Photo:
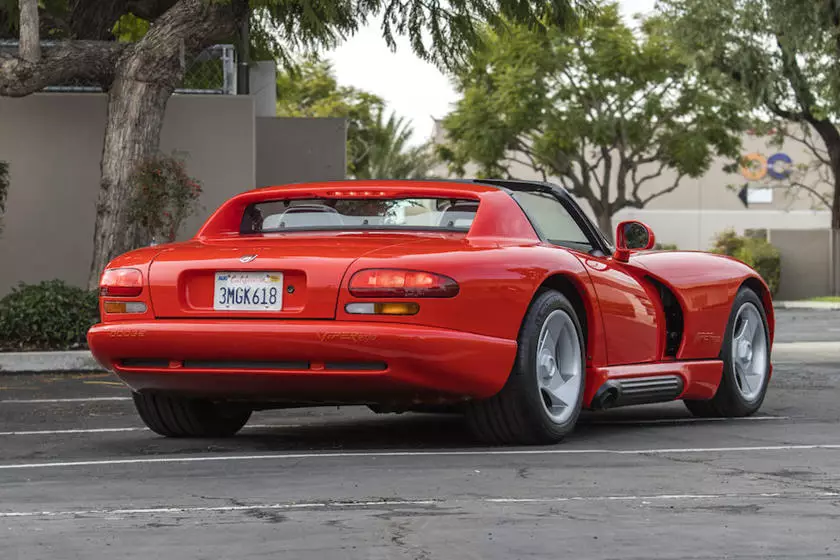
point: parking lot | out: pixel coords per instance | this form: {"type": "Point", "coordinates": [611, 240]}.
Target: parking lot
{"type": "Point", "coordinates": [81, 478]}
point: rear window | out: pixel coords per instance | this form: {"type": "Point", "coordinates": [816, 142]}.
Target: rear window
{"type": "Point", "coordinates": [359, 214]}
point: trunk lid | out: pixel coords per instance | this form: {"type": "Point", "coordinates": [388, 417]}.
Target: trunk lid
{"type": "Point", "coordinates": [187, 280]}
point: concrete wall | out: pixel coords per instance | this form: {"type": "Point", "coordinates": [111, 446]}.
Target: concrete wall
{"type": "Point", "coordinates": [53, 143]}
{"type": "Point", "coordinates": [294, 150]}
{"type": "Point", "coordinates": [806, 262]}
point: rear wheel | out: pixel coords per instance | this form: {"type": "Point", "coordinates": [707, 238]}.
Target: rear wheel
{"type": "Point", "coordinates": [745, 353]}
{"type": "Point", "coordinates": [541, 401]}
{"type": "Point", "coordinates": [181, 417]}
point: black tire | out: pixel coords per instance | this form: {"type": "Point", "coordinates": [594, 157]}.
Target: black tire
{"type": "Point", "coordinates": [728, 401]}
{"type": "Point", "coordinates": [189, 418]}
{"type": "Point", "coordinates": [516, 414]}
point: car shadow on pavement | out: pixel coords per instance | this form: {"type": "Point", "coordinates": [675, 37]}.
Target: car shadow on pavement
{"type": "Point", "coordinates": [410, 431]}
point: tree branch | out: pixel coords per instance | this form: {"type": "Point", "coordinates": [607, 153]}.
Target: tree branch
{"type": "Point", "coordinates": [85, 60]}
{"type": "Point", "coordinates": [30, 39]}
{"type": "Point", "coordinates": [821, 155]}
{"type": "Point", "coordinates": [811, 190]}
{"type": "Point", "coordinates": [644, 202]}
{"type": "Point", "coordinates": [638, 182]}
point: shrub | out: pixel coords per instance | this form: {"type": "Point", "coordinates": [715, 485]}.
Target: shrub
{"type": "Point", "coordinates": [47, 316]}
{"type": "Point", "coordinates": [164, 197]}
{"type": "Point", "coordinates": [665, 247]}
{"type": "Point", "coordinates": [752, 251]}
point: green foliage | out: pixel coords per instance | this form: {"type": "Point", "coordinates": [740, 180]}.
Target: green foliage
{"type": "Point", "coordinates": [164, 196]}
{"type": "Point", "coordinates": [596, 106]}
{"type": "Point", "coordinates": [755, 252]}
{"type": "Point", "coordinates": [665, 247]}
{"type": "Point", "coordinates": [4, 190]}
{"type": "Point", "coordinates": [440, 33]}
{"type": "Point", "coordinates": [390, 157]}
{"type": "Point", "coordinates": [782, 58]}
{"type": "Point", "coordinates": [46, 316]}
{"type": "Point", "coordinates": [376, 148]}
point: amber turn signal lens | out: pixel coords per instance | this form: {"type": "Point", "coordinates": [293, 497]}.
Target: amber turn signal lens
{"type": "Point", "coordinates": [396, 308]}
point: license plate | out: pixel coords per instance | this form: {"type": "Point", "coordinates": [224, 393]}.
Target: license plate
{"type": "Point", "coordinates": [248, 291]}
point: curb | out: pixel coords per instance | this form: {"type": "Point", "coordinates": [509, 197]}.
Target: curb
{"type": "Point", "coordinates": [80, 361]}
{"type": "Point", "coordinates": [823, 305]}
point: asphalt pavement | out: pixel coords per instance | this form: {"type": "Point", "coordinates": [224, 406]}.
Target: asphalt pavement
{"type": "Point", "coordinates": [81, 478]}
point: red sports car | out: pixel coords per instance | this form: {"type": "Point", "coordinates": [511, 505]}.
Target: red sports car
{"type": "Point", "coordinates": [494, 298]}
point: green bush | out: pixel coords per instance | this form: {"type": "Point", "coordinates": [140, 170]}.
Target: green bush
{"type": "Point", "coordinates": [46, 316]}
{"type": "Point", "coordinates": [752, 251]}
{"type": "Point", "coordinates": [665, 247]}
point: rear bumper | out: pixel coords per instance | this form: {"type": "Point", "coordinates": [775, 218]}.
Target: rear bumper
{"type": "Point", "coordinates": [302, 361]}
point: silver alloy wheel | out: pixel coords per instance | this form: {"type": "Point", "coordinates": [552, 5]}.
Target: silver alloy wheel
{"type": "Point", "coordinates": [559, 372]}
{"type": "Point", "coordinates": [750, 354]}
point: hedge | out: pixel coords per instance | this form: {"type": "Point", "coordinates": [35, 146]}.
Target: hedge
{"type": "Point", "coordinates": [47, 316]}
{"type": "Point", "coordinates": [752, 251]}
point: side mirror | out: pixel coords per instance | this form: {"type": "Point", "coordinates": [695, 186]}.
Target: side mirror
{"type": "Point", "coordinates": [632, 236]}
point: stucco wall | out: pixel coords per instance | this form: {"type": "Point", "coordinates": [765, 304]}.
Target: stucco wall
{"type": "Point", "coordinates": [53, 143]}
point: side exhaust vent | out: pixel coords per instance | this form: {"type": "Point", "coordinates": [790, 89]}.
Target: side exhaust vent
{"type": "Point", "coordinates": [643, 390]}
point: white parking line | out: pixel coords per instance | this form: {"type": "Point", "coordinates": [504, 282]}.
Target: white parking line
{"type": "Point", "coordinates": [385, 454]}
{"type": "Point", "coordinates": [180, 510]}
{"type": "Point", "coordinates": [79, 431]}
{"type": "Point", "coordinates": [52, 401]}
{"type": "Point", "coordinates": [682, 420]}
{"type": "Point", "coordinates": [133, 429]}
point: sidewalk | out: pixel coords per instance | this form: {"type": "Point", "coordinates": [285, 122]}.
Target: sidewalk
{"type": "Point", "coordinates": [78, 361]}
{"type": "Point", "coordinates": [821, 305]}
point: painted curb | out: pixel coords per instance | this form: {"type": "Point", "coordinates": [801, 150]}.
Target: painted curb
{"type": "Point", "coordinates": [80, 361]}
{"type": "Point", "coordinates": [822, 305]}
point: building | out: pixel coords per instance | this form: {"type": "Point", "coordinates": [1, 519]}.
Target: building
{"type": "Point", "coordinates": [698, 209]}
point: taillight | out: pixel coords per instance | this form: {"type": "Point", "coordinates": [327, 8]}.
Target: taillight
{"type": "Point", "coordinates": [392, 283]}
{"type": "Point", "coordinates": [121, 282]}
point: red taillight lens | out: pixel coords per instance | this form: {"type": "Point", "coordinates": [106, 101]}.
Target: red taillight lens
{"type": "Point", "coordinates": [121, 282]}
{"type": "Point", "coordinates": [385, 282]}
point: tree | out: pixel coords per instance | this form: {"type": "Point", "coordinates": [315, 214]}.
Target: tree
{"type": "Point", "coordinates": [310, 89]}
{"type": "Point", "coordinates": [141, 76]}
{"type": "Point", "coordinates": [603, 109]}
{"type": "Point", "coordinates": [390, 156]}
{"type": "Point", "coordinates": [376, 148]}
{"type": "Point", "coordinates": [784, 56]}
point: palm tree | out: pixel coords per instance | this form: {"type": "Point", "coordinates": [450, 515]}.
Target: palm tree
{"type": "Point", "coordinates": [389, 154]}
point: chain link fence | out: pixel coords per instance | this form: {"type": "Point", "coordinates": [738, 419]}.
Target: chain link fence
{"type": "Point", "coordinates": [213, 71]}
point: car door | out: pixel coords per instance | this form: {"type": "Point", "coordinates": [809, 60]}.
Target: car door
{"type": "Point", "coordinates": [628, 311]}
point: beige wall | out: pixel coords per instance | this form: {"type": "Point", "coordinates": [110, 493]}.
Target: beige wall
{"type": "Point", "coordinates": [53, 143]}
{"type": "Point", "coordinates": [806, 263]}
{"type": "Point", "coordinates": [318, 145]}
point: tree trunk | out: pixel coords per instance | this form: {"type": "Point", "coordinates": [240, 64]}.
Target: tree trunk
{"type": "Point", "coordinates": [30, 40]}
{"type": "Point", "coordinates": [831, 138]}
{"type": "Point", "coordinates": [132, 134]}
{"type": "Point", "coordinates": [605, 224]}
{"type": "Point", "coordinates": [147, 73]}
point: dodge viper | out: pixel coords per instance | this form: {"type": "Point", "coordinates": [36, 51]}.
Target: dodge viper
{"type": "Point", "coordinates": [496, 299]}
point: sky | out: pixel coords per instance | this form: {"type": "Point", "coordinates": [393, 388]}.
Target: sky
{"type": "Point", "coordinates": [411, 87]}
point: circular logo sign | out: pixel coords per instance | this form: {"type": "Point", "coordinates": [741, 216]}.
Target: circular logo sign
{"type": "Point", "coordinates": [756, 167]}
